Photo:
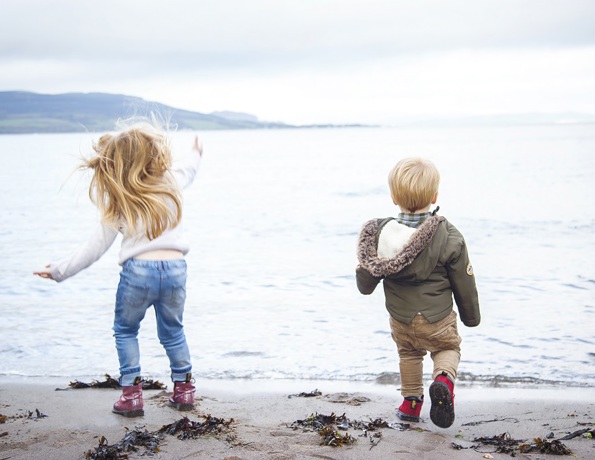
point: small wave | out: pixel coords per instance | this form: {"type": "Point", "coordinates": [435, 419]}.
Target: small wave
{"type": "Point", "coordinates": [533, 288]}
{"type": "Point", "coordinates": [574, 286]}
{"type": "Point", "coordinates": [381, 332]}
{"type": "Point", "coordinates": [551, 358]}
{"type": "Point", "coordinates": [499, 380]}
{"type": "Point", "coordinates": [242, 354]}
{"type": "Point", "coordinates": [514, 345]}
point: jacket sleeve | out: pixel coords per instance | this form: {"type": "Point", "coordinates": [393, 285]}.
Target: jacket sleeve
{"type": "Point", "coordinates": [366, 282]}
{"type": "Point", "coordinates": [462, 280]}
{"type": "Point", "coordinates": [99, 242]}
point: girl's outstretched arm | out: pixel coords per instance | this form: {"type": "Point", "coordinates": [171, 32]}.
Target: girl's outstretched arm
{"type": "Point", "coordinates": [185, 169]}
{"type": "Point", "coordinates": [99, 242]}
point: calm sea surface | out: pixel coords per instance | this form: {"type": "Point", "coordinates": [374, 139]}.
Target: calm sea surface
{"type": "Point", "coordinates": [273, 218]}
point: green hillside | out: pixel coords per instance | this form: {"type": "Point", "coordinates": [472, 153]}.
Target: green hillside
{"type": "Point", "coordinates": [25, 112]}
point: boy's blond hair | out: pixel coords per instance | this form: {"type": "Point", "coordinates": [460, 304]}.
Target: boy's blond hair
{"type": "Point", "coordinates": [132, 182]}
{"type": "Point", "coordinates": [414, 183]}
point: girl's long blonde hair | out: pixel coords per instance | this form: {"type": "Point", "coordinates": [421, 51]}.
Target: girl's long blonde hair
{"type": "Point", "coordinates": [132, 181]}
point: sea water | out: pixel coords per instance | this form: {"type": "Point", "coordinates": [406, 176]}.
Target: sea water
{"type": "Point", "coordinates": [273, 219]}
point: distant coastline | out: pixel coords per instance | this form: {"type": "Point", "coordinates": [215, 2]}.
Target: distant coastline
{"type": "Point", "coordinates": [23, 112]}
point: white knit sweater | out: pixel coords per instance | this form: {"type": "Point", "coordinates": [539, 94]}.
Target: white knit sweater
{"type": "Point", "coordinates": [103, 237]}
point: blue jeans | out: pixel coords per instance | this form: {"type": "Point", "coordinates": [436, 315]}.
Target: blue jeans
{"type": "Point", "coordinates": [146, 283]}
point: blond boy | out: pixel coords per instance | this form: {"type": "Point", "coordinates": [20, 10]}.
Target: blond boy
{"type": "Point", "coordinates": [423, 262]}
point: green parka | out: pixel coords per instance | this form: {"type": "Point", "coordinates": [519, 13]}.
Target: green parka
{"type": "Point", "coordinates": [423, 272]}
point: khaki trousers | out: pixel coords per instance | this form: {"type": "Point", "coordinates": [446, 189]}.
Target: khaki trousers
{"type": "Point", "coordinates": [414, 340]}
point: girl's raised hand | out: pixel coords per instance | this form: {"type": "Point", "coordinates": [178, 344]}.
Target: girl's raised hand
{"type": "Point", "coordinates": [44, 273]}
{"type": "Point", "coordinates": [197, 145]}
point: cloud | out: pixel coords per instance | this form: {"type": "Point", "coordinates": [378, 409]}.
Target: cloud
{"type": "Point", "coordinates": [347, 60]}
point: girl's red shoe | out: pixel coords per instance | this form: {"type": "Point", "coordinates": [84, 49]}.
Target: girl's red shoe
{"type": "Point", "coordinates": [183, 396]}
{"type": "Point", "coordinates": [130, 403]}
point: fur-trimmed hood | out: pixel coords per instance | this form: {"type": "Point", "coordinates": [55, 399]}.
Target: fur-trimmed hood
{"type": "Point", "coordinates": [388, 248]}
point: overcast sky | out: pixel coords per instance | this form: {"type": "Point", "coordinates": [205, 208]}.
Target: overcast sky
{"type": "Point", "coordinates": [309, 61]}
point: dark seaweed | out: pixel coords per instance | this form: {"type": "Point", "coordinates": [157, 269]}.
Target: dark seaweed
{"type": "Point", "coordinates": [37, 415]}
{"type": "Point", "coordinates": [480, 422]}
{"type": "Point", "coordinates": [574, 434]}
{"type": "Point", "coordinates": [503, 442]}
{"type": "Point", "coordinates": [111, 382]}
{"type": "Point", "coordinates": [555, 447]}
{"type": "Point", "coordinates": [29, 415]}
{"type": "Point", "coordinates": [133, 440]}
{"type": "Point", "coordinates": [187, 429]}
{"type": "Point", "coordinates": [311, 394]}
{"type": "Point", "coordinates": [149, 384]}
{"type": "Point", "coordinates": [331, 437]}
{"type": "Point", "coordinates": [506, 445]}
{"type": "Point", "coordinates": [327, 426]}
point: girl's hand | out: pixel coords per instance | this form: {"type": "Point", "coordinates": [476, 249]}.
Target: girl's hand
{"type": "Point", "coordinates": [197, 146]}
{"type": "Point", "coordinates": [44, 273]}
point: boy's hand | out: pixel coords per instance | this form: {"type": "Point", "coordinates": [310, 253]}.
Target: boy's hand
{"type": "Point", "coordinates": [197, 146]}
{"type": "Point", "coordinates": [44, 273]}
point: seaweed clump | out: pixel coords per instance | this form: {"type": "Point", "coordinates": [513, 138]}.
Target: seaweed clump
{"type": "Point", "coordinates": [504, 443]}
{"type": "Point", "coordinates": [26, 415]}
{"type": "Point", "coordinates": [327, 427]}
{"type": "Point", "coordinates": [133, 440]}
{"type": "Point", "coordinates": [555, 447]}
{"type": "Point", "coordinates": [303, 394]}
{"type": "Point", "coordinates": [136, 439]}
{"type": "Point", "coordinates": [187, 429]}
{"type": "Point", "coordinates": [111, 382]}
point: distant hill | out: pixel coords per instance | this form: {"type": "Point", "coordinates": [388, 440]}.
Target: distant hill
{"type": "Point", "coordinates": [26, 112]}
{"type": "Point", "coordinates": [235, 116]}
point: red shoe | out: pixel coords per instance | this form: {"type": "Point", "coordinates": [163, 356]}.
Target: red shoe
{"type": "Point", "coordinates": [442, 412]}
{"type": "Point", "coordinates": [130, 403]}
{"type": "Point", "coordinates": [410, 408]}
{"type": "Point", "coordinates": [183, 396]}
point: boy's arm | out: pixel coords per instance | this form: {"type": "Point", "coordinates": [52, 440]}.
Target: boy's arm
{"type": "Point", "coordinates": [366, 282]}
{"type": "Point", "coordinates": [462, 280]}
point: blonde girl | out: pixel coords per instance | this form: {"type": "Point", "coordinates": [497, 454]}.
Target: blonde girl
{"type": "Point", "coordinates": [138, 193]}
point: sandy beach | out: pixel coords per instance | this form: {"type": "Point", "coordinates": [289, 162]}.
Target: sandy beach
{"type": "Point", "coordinates": [42, 423]}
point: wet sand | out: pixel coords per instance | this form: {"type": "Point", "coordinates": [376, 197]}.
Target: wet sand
{"type": "Point", "coordinates": [263, 412]}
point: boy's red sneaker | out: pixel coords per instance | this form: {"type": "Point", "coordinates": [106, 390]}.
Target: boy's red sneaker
{"type": "Point", "coordinates": [183, 396]}
{"type": "Point", "coordinates": [442, 394]}
{"type": "Point", "coordinates": [410, 409]}
{"type": "Point", "coordinates": [130, 403]}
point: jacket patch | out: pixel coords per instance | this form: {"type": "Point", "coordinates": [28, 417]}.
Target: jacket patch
{"type": "Point", "coordinates": [469, 269]}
